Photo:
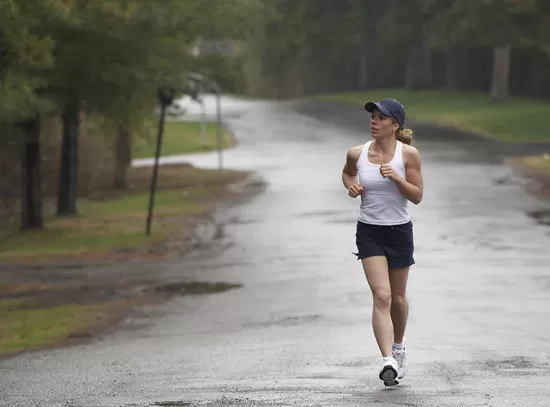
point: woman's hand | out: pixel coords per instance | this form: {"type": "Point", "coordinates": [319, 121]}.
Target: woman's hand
{"type": "Point", "coordinates": [355, 190]}
{"type": "Point", "coordinates": [387, 171]}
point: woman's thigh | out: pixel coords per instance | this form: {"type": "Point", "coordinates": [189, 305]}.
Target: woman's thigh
{"type": "Point", "coordinates": [376, 272]}
{"type": "Point", "coordinates": [398, 281]}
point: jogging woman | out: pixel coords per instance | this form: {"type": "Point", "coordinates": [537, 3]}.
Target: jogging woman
{"type": "Point", "coordinates": [386, 173]}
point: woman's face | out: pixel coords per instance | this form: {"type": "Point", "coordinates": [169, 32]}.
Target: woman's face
{"type": "Point", "coordinates": [382, 126]}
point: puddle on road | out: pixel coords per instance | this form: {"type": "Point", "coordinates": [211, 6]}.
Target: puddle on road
{"type": "Point", "coordinates": [240, 221]}
{"type": "Point", "coordinates": [219, 232]}
{"type": "Point", "coordinates": [170, 404]}
{"type": "Point", "coordinates": [351, 363]}
{"type": "Point", "coordinates": [542, 217]}
{"type": "Point", "coordinates": [286, 321]}
{"type": "Point", "coordinates": [194, 288]}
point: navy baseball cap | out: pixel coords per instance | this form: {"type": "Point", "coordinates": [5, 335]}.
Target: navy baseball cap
{"type": "Point", "coordinates": [388, 107]}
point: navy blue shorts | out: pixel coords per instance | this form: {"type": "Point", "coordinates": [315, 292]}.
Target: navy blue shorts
{"type": "Point", "coordinates": [396, 243]}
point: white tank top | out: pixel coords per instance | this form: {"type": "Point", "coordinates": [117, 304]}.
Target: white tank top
{"type": "Point", "coordinates": [381, 202]}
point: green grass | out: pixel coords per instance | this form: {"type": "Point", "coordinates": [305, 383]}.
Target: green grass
{"type": "Point", "coordinates": [515, 120]}
{"type": "Point", "coordinates": [22, 329]}
{"type": "Point", "coordinates": [105, 225]}
{"type": "Point", "coordinates": [181, 137]}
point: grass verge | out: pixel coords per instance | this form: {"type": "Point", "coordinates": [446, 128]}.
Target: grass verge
{"type": "Point", "coordinates": [71, 311]}
{"type": "Point", "coordinates": [515, 120]}
{"type": "Point", "coordinates": [110, 223]}
{"type": "Point", "coordinates": [541, 162]}
{"type": "Point", "coordinates": [537, 168]}
{"type": "Point", "coordinates": [183, 137]}
{"type": "Point", "coordinates": [26, 328]}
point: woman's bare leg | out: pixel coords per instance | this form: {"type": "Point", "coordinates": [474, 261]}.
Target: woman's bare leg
{"type": "Point", "coordinates": [399, 304]}
{"type": "Point", "coordinates": [376, 271]}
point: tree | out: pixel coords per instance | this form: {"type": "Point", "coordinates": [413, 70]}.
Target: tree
{"type": "Point", "coordinates": [367, 30]}
{"type": "Point", "coordinates": [155, 44]}
{"type": "Point", "coordinates": [31, 199]}
{"type": "Point", "coordinates": [409, 33]}
{"type": "Point", "coordinates": [294, 47]}
{"type": "Point", "coordinates": [85, 61]}
{"type": "Point", "coordinates": [24, 52]}
{"type": "Point", "coordinates": [119, 54]}
{"type": "Point", "coordinates": [500, 24]}
{"type": "Point", "coordinates": [106, 57]}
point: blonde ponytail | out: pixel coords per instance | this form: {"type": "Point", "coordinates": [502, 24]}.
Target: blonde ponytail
{"type": "Point", "coordinates": [405, 135]}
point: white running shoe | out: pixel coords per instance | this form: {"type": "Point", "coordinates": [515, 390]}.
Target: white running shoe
{"type": "Point", "coordinates": [400, 355]}
{"type": "Point", "coordinates": [388, 371]}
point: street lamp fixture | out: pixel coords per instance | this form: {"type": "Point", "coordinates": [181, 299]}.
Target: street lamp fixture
{"type": "Point", "coordinates": [166, 97]}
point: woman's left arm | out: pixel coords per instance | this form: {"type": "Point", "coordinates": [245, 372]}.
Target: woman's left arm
{"type": "Point", "coordinates": [412, 186]}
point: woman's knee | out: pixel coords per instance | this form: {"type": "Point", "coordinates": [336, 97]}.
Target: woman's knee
{"type": "Point", "coordinates": [382, 299]}
{"type": "Point", "coordinates": [398, 300]}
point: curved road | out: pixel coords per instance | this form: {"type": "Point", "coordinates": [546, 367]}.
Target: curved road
{"type": "Point", "coordinates": [298, 331]}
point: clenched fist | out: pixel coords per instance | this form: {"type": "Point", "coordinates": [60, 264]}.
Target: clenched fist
{"type": "Point", "coordinates": [355, 190]}
{"type": "Point", "coordinates": [388, 172]}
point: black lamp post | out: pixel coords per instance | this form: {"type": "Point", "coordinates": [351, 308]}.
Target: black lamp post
{"type": "Point", "coordinates": [165, 98]}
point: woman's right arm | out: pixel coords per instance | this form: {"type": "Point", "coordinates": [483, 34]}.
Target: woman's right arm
{"type": "Point", "coordinates": [349, 173]}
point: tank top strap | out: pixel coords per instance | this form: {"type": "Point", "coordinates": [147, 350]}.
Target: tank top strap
{"type": "Point", "coordinates": [364, 156]}
{"type": "Point", "coordinates": [398, 156]}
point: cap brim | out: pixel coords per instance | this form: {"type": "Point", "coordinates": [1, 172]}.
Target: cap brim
{"type": "Point", "coordinates": [371, 106]}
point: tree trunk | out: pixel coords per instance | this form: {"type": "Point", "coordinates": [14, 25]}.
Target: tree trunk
{"type": "Point", "coordinates": [426, 71]}
{"type": "Point", "coordinates": [419, 73]}
{"type": "Point", "coordinates": [122, 157]}
{"type": "Point", "coordinates": [367, 41]}
{"type": "Point", "coordinates": [365, 30]}
{"type": "Point", "coordinates": [363, 64]}
{"type": "Point", "coordinates": [464, 70]}
{"type": "Point", "coordinates": [410, 66]}
{"type": "Point", "coordinates": [31, 199]}
{"type": "Point", "coordinates": [534, 87]}
{"type": "Point", "coordinates": [68, 171]}
{"type": "Point", "coordinates": [501, 73]}
{"type": "Point", "coordinates": [451, 68]}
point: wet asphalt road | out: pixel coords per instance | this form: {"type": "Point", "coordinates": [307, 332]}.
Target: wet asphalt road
{"type": "Point", "coordinates": [298, 331]}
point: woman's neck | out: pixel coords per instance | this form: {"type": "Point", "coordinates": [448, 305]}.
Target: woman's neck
{"type": "Point", "coordinates": [386, 145]}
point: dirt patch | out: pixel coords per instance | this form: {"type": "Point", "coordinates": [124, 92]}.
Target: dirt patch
{"type": "Point", "coordinates": [540, 177]}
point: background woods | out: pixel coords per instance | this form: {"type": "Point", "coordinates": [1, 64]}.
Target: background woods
{"type": "Point", "coordinates": [315, 46]}
{"type": "Point", "coordinates": [78, 83]}
{"type": "Point", "coordinates": [78, 79]}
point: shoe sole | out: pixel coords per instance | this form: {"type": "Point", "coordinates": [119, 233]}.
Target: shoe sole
{"type": "Point", "coordinates": [389, 376]}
